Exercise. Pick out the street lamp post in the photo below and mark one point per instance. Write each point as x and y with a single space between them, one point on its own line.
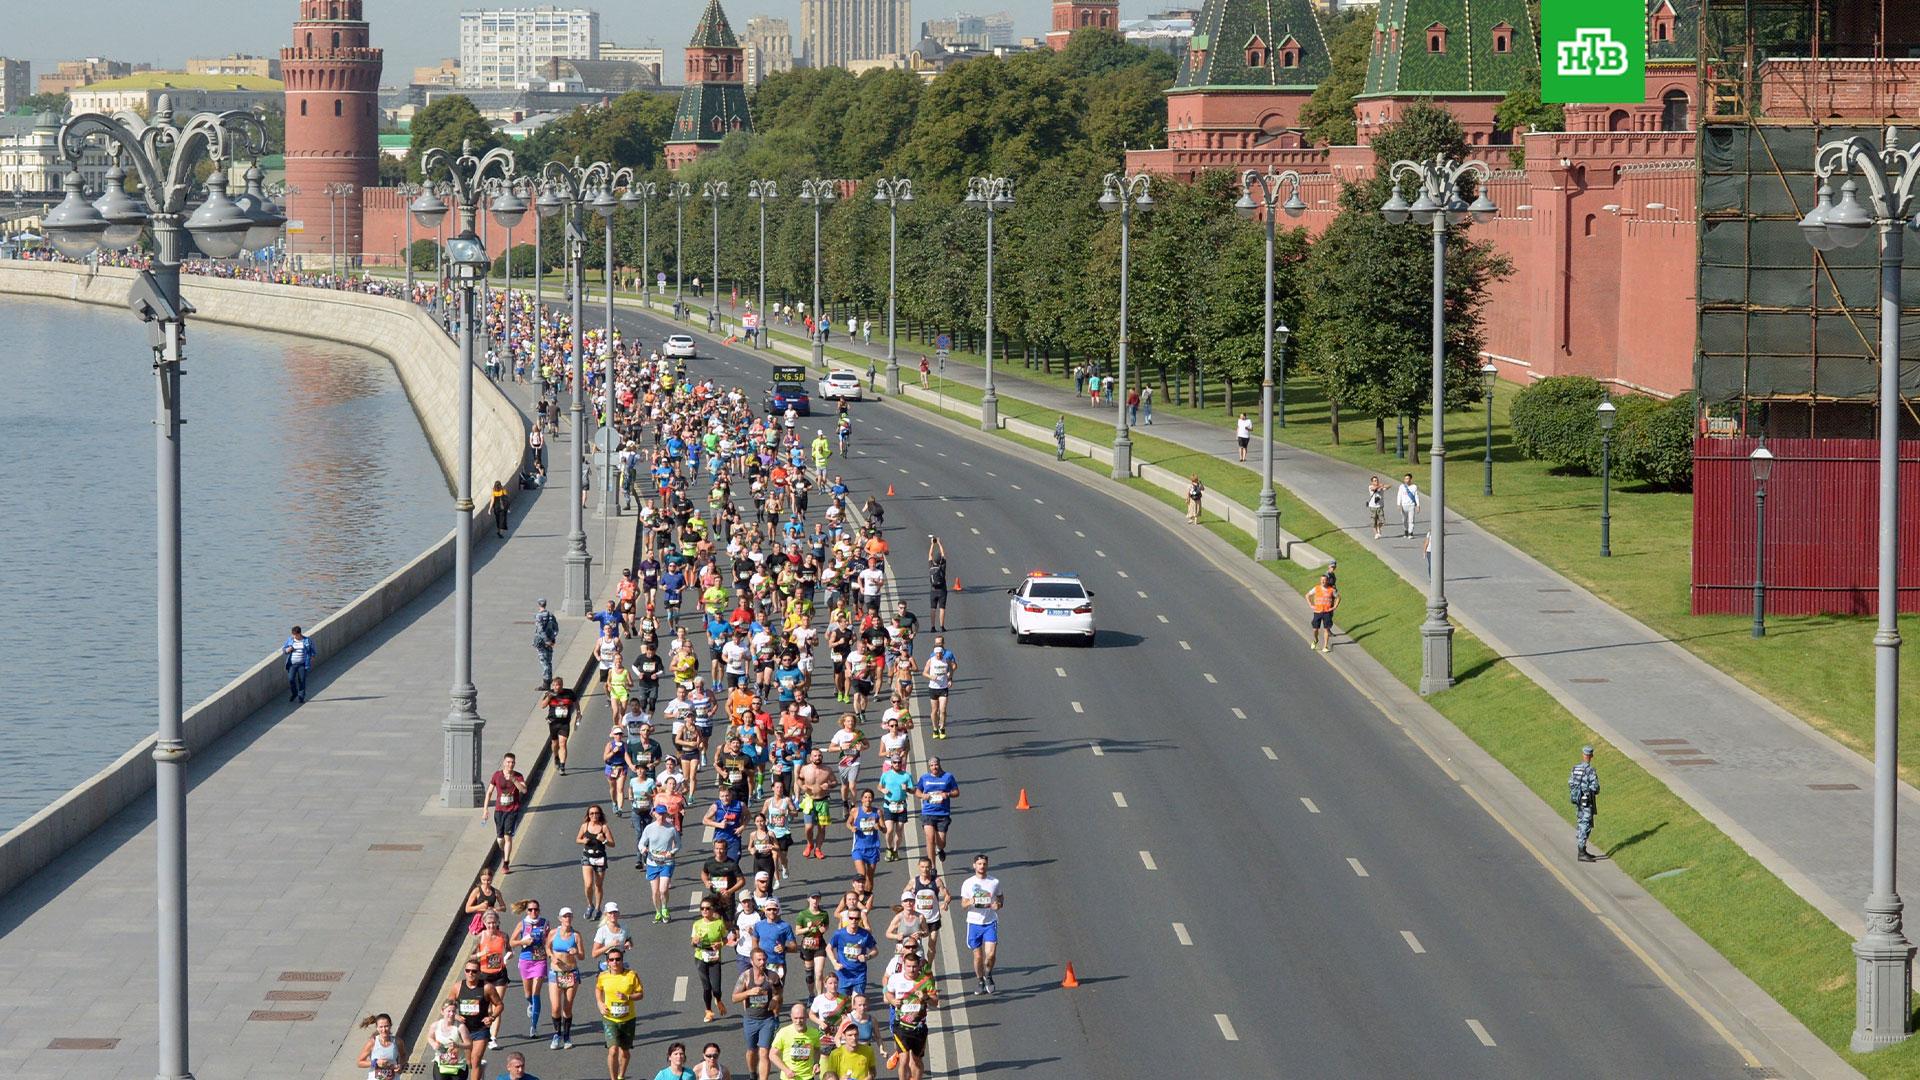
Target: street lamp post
407 193
1761 461
1266 530
1489 372
892 192
165 156
606 205
641 194
569 187
467 177
1120 194
1883 958
334 193
715 192
1442 201
509 206
762 192
1608 413
817 194
992 194
679 192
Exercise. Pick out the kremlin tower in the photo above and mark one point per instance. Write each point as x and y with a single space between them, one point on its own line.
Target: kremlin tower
332 79
714 100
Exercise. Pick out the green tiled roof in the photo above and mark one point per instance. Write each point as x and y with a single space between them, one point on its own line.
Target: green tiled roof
1468 66
1686 31
709 111
1226 31
713 31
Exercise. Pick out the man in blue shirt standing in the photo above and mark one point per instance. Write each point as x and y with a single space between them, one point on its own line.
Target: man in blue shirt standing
936 789
298 652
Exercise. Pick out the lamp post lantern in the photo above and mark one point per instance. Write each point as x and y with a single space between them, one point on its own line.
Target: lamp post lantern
715 192
1761 461
1607 413
165 156
1273 409
892 192
571 186
606 204
1489 373
467 177
1442 201
1883 957
762 192
992 194
817 193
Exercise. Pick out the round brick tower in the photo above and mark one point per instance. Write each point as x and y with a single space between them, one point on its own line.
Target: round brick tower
332 77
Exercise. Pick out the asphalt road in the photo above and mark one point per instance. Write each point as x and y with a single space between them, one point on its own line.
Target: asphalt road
1252 872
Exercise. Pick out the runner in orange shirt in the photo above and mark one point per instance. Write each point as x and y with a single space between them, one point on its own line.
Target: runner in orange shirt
1324 598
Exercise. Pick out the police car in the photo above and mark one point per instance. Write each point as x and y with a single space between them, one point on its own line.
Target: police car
1050 605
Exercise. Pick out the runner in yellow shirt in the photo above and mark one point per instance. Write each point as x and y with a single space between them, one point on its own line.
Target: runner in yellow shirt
796 1048
850 1060
616 991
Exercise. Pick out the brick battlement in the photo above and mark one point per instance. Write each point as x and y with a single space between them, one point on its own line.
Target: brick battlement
344 54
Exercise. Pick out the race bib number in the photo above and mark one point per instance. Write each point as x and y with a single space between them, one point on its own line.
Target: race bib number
618 1010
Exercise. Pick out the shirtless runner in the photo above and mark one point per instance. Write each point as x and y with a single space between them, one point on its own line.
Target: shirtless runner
815 781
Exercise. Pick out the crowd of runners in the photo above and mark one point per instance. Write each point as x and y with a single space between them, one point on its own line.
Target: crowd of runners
758 685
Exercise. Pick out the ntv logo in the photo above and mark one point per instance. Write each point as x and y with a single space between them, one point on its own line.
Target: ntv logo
1592 52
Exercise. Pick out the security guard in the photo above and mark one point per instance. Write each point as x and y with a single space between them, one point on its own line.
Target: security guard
1583 789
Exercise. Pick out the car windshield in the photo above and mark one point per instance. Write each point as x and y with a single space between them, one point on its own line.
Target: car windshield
1056 590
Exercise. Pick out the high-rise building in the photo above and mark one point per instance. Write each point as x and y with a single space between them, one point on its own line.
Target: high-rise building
835 33
984 32
999 29
506 47
713 102
651 56
16 84
769 45
332 76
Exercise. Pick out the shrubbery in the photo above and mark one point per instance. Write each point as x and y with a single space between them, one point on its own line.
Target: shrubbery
1554 420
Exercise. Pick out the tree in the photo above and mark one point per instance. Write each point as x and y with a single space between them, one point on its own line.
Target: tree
1522 110
1328 113
1368 314
34 104
447 123
629 131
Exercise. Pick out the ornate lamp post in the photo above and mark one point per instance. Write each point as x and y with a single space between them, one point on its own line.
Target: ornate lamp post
892 192
1761 461
1266 519
642 194
992 194
817 194
762 192
571 187
408 193
715 192
165 157
1489 373
334 193
509 206
1608 413
606 205
1120 194
1883 957
679 192
1442 201
467 176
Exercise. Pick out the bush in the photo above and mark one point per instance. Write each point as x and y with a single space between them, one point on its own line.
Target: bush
1553 420
421 254
1657 446
522 261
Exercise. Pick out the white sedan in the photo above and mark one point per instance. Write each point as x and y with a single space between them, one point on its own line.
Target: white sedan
678 345
1050 605
840 384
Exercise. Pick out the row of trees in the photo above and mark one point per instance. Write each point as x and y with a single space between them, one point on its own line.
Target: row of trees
1055 123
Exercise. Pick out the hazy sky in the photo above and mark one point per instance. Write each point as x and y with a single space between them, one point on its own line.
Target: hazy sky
413 32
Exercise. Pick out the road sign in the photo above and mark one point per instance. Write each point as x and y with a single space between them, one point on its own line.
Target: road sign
944 342
296 226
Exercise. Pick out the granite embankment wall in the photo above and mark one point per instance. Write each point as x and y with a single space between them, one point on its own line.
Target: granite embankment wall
428 364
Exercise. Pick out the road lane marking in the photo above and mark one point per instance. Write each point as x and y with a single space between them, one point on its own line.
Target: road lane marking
1162 618
1122 573
991 551
956 513
693 900
680 988
974 530
1271 756
1209 676
942 453
993 474
921 445
968 464
1077 708
1308 803
1039 500
1238 713
923 483
1480 1032
1184 647
1146 857
1100 553
1226 1027
1180 934
1119 800
1015 487
1358 870
903 471
1413 942
1059 517
1079 534
1097 751
1060 671
1004 570
1142 593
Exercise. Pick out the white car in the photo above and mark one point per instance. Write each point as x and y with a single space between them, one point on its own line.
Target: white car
678 345
1050 605
840 384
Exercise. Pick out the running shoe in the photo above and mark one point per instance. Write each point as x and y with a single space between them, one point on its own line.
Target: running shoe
566 1044
554 1044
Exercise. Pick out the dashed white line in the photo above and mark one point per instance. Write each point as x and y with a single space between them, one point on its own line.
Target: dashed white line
1162 618
1077 707
1097 751
1059 517
1271 756
680 988
1122 573
1146 859
960 513
1039 500
1004 570
1239 713
1100 553
1209 676
923 483
974 530
1358 870
1015 487
968 464
1308 803
1185 647
991 551
942 453
1226 1027
1060 671
1480 1032
1180 934
1413 942
921 445
1119 800
1141 593
1079 534
903 471
993 474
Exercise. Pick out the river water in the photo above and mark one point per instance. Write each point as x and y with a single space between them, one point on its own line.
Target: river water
305 476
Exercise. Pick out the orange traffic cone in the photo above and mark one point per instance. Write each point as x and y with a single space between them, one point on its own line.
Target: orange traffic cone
889 491
957 586
1069 982
1023 804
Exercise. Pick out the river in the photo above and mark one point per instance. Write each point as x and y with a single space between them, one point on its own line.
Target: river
306 478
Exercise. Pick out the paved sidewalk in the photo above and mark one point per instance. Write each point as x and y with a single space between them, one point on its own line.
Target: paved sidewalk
1793 797
315 834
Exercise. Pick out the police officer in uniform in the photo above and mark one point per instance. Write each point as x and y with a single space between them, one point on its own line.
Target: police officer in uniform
1583 789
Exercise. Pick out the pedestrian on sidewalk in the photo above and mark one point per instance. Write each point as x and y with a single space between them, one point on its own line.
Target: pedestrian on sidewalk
1242 434
1079 380
502 506
1133 407
1093 390
1195 491
873 372
866 331
1324 598
1583 788
546 633
1376 504
299 653
1146 405
924 372
1409 503
1060 438
537 439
